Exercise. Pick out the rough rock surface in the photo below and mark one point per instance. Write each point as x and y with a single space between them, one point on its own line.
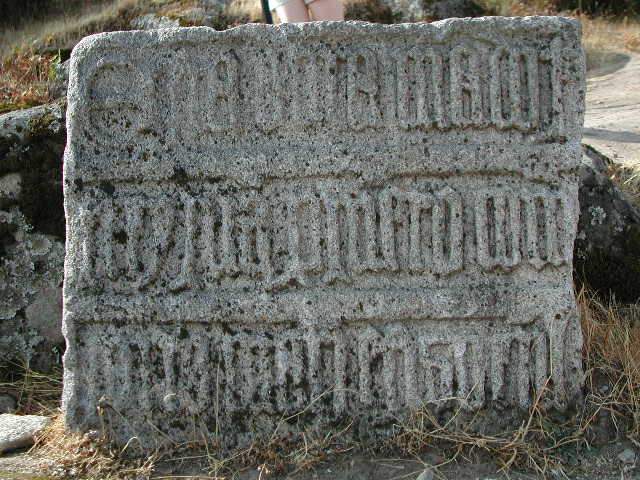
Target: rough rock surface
58 88
606 251
31 235
229 263
17 431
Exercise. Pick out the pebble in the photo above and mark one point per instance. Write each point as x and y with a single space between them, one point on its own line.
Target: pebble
627 456
7 404
425 475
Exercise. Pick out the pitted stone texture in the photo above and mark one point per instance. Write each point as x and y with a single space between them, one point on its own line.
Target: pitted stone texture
342 219
17 431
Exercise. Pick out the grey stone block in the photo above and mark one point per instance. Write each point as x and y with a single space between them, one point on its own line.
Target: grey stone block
341 219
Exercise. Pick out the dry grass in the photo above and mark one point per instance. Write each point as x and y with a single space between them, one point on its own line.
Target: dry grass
25 80
86 456
612 365
516 8
65 31
29 53
612 359
36 393
627 179
538 444
246 11
604 39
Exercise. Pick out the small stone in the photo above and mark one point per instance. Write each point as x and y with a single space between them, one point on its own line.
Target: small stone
17 431
7 404
627 456
425 475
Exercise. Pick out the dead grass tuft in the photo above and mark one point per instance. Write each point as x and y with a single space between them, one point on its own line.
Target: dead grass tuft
36 393
627 179
86 456
612 363
538 445
25 80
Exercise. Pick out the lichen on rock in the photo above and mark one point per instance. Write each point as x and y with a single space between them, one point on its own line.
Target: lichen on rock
31 235
606 250
31 263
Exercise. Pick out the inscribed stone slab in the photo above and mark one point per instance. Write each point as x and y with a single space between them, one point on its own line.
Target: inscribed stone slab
345 219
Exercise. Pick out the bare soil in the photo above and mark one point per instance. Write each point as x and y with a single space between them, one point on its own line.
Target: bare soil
612 120
596 463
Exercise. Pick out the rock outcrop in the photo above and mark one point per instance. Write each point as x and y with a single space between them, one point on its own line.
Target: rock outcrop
414 10
607 248
31 235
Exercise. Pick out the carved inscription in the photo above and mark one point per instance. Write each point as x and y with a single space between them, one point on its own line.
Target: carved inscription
511 226
353 367
356 89
325 236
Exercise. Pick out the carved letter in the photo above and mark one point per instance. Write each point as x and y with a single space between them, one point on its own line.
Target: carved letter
465 96
362 88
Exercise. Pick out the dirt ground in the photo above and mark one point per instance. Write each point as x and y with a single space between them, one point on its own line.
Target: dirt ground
595 463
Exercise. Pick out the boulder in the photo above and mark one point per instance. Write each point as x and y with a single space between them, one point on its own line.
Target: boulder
18 431
414 10
453 9
58 87
607 247
32 230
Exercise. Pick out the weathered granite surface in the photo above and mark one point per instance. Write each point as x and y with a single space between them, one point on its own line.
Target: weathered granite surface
17 431
341 219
